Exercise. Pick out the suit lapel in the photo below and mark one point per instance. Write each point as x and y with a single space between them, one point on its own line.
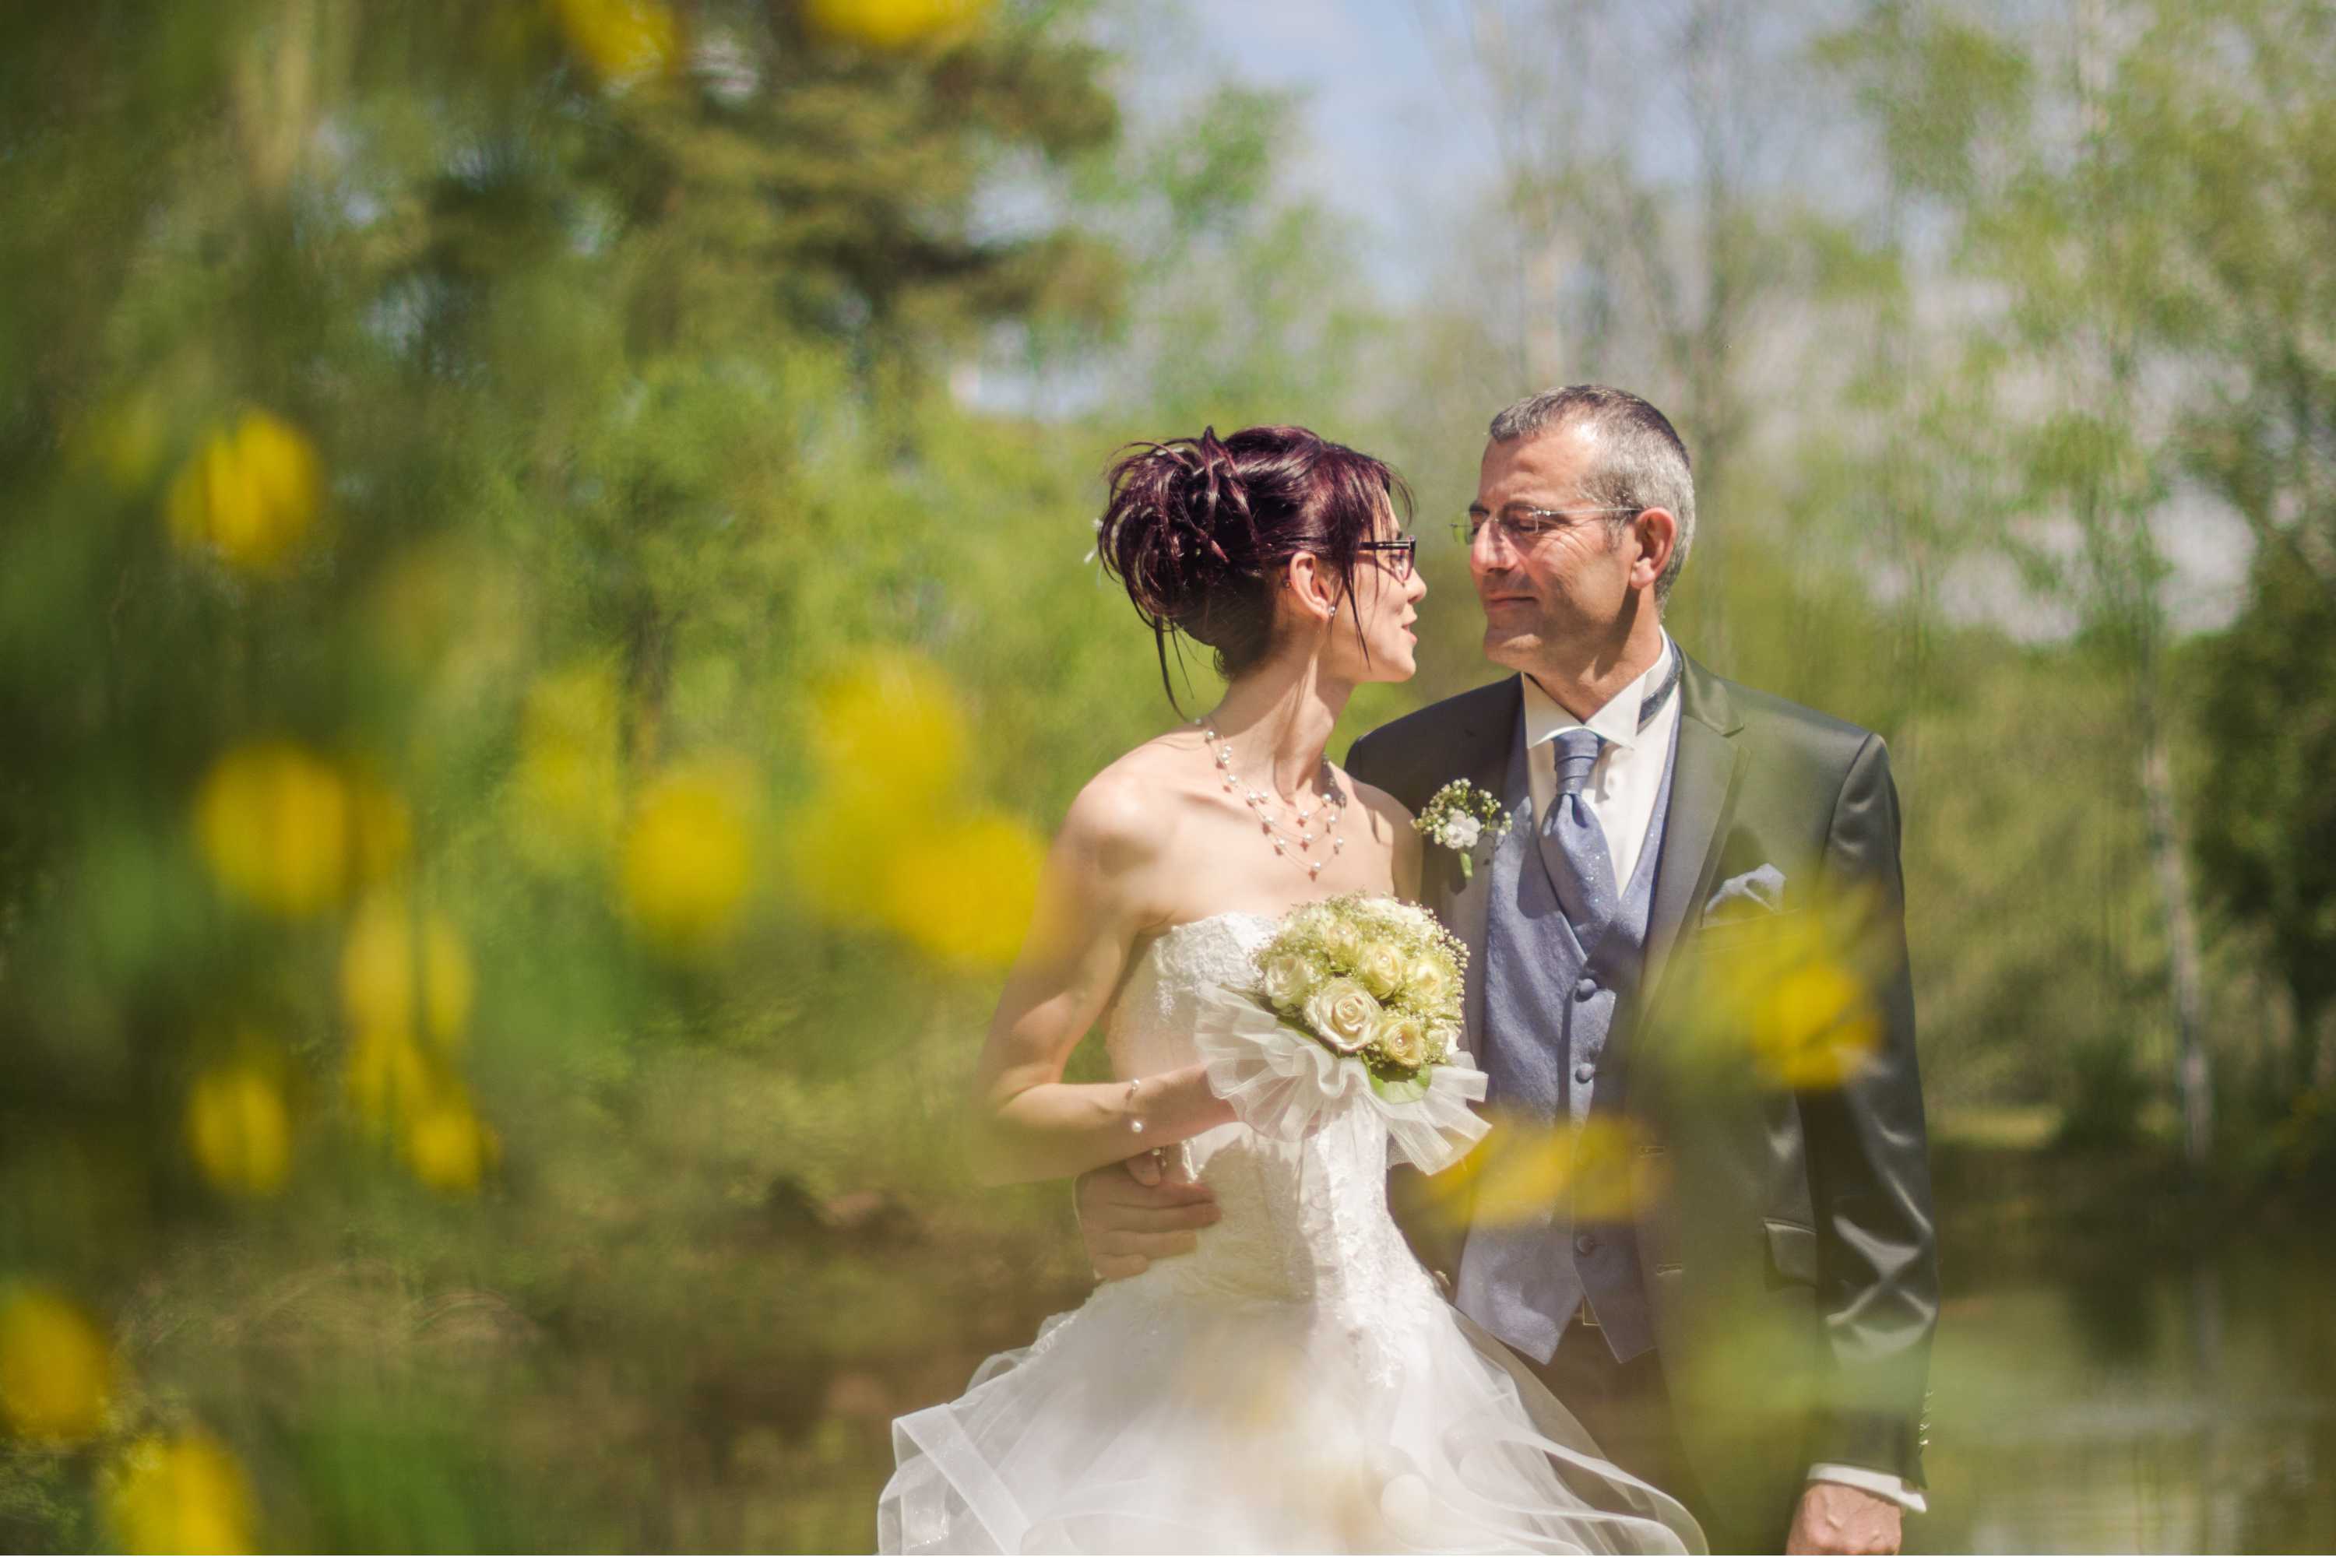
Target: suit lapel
1704 776
1482 754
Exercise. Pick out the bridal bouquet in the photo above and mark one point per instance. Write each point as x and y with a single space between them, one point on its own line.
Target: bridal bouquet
1356 1010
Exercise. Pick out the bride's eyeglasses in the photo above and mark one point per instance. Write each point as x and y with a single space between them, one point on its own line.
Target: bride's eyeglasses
1528 525
1396 553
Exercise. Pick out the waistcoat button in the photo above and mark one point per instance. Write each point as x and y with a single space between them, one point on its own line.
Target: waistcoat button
1585 1244
1584 1073
1586 988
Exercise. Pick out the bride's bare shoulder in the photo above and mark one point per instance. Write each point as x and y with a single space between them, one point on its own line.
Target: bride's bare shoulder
1127 815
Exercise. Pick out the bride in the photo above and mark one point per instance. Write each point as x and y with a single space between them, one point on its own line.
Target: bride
1294 1382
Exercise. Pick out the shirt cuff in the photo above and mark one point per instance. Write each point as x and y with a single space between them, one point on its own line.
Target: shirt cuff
1890 1488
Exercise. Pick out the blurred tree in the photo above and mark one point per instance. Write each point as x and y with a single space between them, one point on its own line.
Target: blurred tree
1655 262
464 435
2070 231
2267 851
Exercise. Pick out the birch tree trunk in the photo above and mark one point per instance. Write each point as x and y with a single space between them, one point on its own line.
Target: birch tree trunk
2192 1077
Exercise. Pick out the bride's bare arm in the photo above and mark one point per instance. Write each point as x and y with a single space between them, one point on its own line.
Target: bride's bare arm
1093 909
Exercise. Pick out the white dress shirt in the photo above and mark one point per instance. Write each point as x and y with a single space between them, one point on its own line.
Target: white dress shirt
1621 790
1627 776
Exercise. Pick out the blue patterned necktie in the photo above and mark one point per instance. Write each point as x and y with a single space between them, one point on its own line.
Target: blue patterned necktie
1573 846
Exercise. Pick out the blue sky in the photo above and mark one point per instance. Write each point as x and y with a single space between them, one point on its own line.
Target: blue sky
1392 138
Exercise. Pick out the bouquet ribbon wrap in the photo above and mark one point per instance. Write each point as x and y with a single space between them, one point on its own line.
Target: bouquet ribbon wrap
1287 1085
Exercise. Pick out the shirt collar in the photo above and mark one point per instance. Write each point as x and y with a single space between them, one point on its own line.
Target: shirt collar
1617 721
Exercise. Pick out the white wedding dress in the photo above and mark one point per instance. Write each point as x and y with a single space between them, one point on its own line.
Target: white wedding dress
1297 1384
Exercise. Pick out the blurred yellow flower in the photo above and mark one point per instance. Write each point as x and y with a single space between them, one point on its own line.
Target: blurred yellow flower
891 23
239 1129
447 1145
252 493
834 847
388 1080
1521 1174
56 1370
381 827
963 889
1813 1026
273 821
621 40
569 796
688 855
891 732
380 973
183 1494
1801 1013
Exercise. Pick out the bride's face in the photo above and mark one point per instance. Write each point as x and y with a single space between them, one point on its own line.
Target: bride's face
1383 600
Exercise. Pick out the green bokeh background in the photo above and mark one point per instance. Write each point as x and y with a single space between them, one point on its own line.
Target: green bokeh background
726 376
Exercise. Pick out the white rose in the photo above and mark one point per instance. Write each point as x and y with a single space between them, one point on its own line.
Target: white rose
1342 943
1290 978
1462 833
1403 1041
1343 1015
1428 986
1380 967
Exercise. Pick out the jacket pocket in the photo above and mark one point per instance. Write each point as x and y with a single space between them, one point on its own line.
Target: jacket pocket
1792 1252
1747 930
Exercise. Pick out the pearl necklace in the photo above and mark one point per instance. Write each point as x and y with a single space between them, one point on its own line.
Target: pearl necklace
1257 800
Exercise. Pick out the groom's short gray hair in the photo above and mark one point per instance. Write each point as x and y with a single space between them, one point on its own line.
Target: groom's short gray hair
1642 462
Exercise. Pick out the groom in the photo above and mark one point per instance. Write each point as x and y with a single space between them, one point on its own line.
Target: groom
1705 1217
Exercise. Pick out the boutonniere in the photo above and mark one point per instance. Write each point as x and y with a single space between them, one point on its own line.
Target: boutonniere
1460 816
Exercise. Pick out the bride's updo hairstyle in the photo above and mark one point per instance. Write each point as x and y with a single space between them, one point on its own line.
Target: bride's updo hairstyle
1200 529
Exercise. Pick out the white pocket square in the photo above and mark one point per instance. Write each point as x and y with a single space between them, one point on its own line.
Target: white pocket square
1754 894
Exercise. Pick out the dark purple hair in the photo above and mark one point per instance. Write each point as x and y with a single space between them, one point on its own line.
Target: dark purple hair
1198 530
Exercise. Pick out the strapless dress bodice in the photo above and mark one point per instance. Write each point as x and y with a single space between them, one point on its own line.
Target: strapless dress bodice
1302 1221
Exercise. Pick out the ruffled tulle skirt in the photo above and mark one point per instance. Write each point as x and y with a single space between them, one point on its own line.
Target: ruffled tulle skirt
1152 1422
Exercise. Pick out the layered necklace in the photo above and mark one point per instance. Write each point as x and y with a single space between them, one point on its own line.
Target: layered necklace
1307 830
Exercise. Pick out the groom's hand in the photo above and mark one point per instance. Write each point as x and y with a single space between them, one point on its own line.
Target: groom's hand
1131 1214
1838 1521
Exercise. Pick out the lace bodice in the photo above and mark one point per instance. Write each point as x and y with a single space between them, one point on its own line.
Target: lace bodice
1303 1221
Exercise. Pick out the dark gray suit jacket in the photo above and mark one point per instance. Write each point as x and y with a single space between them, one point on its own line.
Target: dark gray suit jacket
1785 1229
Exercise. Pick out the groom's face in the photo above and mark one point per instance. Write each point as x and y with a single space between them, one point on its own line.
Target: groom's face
1564 590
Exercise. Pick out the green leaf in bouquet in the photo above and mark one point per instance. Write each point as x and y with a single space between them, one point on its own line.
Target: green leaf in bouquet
1398 1091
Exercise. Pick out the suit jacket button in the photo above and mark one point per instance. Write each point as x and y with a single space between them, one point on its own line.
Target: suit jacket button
1585 1244
1586 988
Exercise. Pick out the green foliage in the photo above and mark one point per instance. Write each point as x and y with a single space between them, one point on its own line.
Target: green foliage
643 405
2267 707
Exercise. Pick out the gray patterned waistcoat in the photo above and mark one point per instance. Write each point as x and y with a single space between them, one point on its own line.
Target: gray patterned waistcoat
1550 1044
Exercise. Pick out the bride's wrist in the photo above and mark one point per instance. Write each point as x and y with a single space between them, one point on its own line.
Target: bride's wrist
1198 1103
1172 1104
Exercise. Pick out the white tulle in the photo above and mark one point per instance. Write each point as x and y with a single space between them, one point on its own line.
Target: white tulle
1286 1085
1295 1384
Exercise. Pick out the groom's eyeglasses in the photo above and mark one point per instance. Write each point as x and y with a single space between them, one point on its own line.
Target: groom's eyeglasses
1528 525
1396 553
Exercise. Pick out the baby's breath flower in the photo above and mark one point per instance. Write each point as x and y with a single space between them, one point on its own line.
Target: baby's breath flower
1461 818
